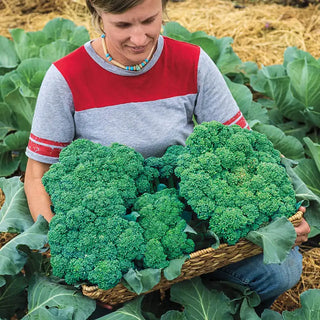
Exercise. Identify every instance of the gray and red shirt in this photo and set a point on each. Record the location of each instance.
(83, 96)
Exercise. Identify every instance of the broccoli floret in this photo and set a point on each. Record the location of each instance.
(143, 180)
(106, 274)
(131, 243)
(176, 242)
(105, 202)
(163, 206)
(234, 178)
(166, 164)
(228, 223)
(154, 256)
(160, 215)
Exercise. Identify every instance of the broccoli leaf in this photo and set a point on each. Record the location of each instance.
(310, 310)
(243, 299)
(288, 145)
(174, 268)
(50, 300)
(268, 314)
(276, 239)
(173, 315)
(143, 280)
(12, 260)
(12, 295)
(201, 303)
(305, 194)
(14, 212)
(130, 311)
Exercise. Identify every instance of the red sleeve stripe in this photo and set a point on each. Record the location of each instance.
(49, 142)
(44, 150)
(234, 118)
(239, 120)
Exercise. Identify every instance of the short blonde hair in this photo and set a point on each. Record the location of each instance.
(111, 6)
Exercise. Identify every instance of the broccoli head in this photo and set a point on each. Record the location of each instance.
(160, 215)
(92, 174)
(234, 178)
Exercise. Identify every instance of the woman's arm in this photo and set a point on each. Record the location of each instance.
(38, 199)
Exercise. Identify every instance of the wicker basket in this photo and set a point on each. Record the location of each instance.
(200, 262)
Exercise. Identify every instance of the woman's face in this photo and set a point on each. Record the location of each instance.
(131, 35)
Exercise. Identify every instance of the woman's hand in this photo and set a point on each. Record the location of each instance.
(302, 230)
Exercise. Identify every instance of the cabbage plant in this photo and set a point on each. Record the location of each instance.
(24, 61)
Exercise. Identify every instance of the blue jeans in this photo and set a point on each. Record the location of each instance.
(268, 280)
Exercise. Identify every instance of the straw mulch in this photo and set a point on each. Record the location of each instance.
(310, 279)
(261, 31)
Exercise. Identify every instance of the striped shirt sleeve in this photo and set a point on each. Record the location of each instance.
(239, 120)
(45, 147)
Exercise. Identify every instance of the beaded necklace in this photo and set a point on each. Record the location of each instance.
(131, 68)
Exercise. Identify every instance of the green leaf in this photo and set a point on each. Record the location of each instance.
(303, 193)
(289, 146)
(228, 61)
(199, 302)
(60, 28)
(247, 312)
(50, 300)
(28, 44)
(130, 311)
(293, 128)
(31, 73)
(288, 105)
(209, 45)
(9, 82)
(12, 295)
(17, 141)
(293, 53)
(243, 299)
(175, 30)
(309, 173)
(268, 314)
(5, 120)
(249, 68)
(8, 55)
(22, 107)
(315, 151)
(240, 93)
(310, 307)
(8, 164)
(15, 211)
(173, 315)
(260, 80)
(305, 82)
(174, 268)
(56, 50)
(12, 260)
(276, 239)
(243, 96)
(142, 280)
(273, 82)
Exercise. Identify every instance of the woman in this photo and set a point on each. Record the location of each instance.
(138, 88)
